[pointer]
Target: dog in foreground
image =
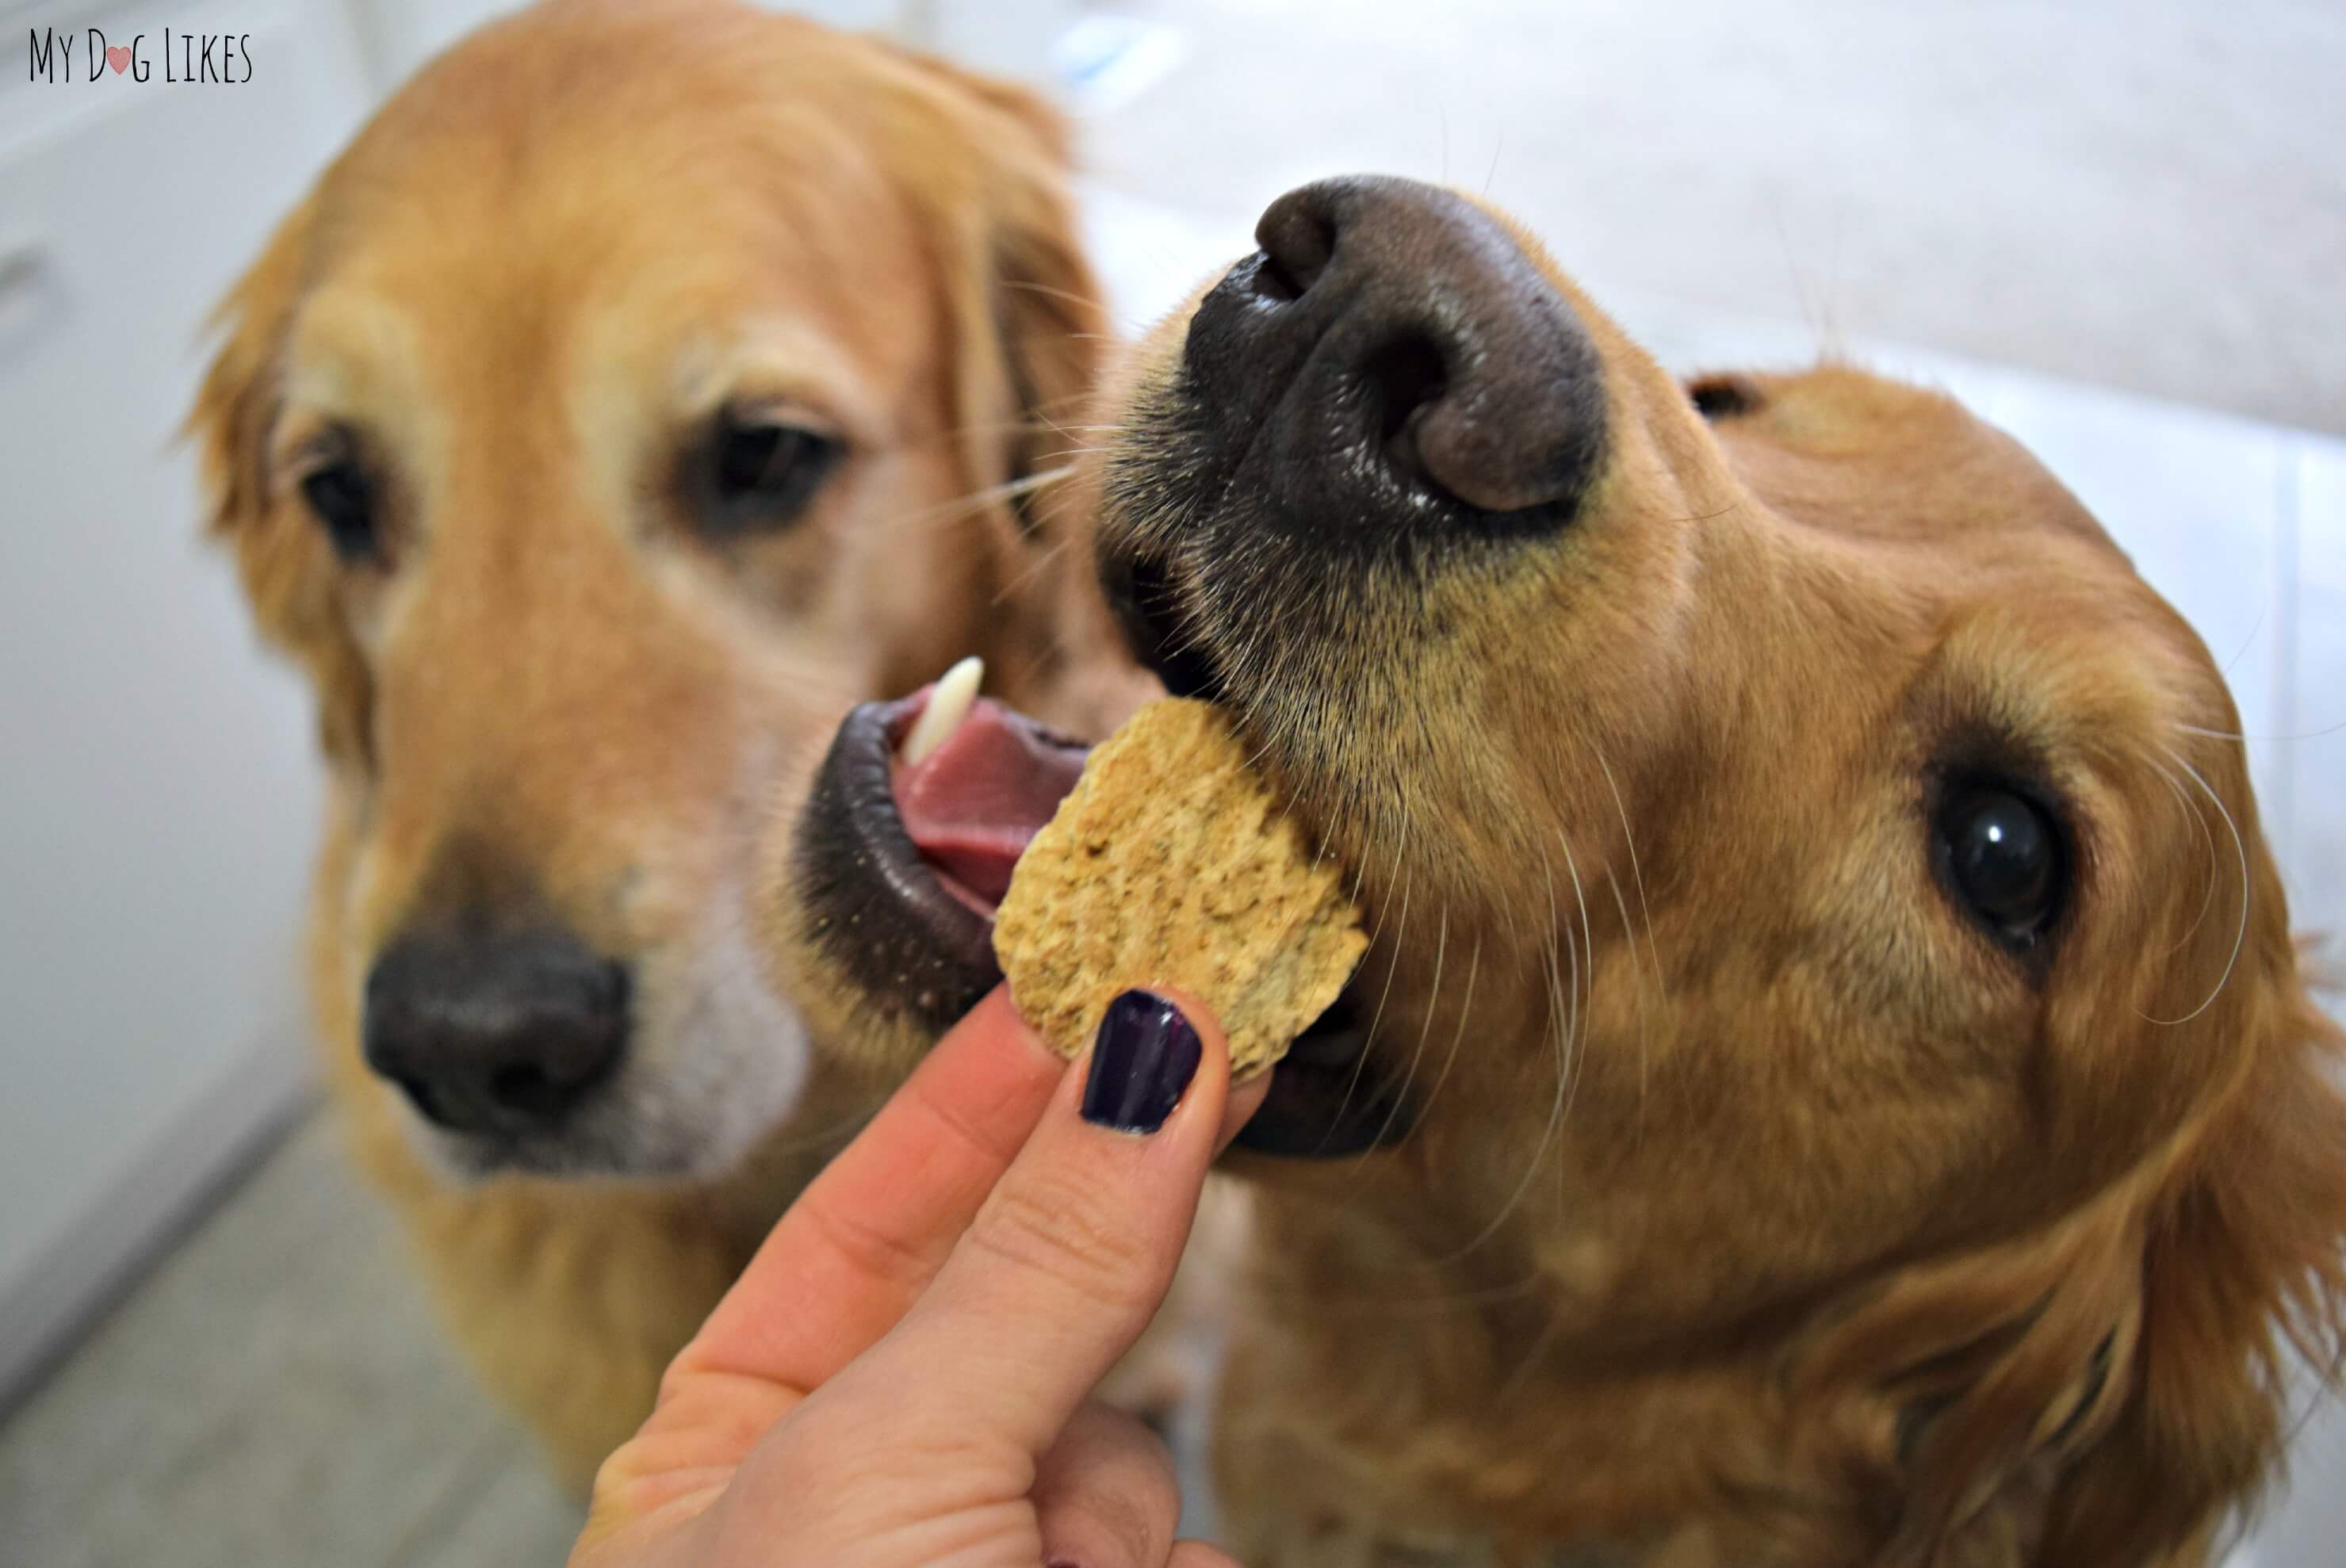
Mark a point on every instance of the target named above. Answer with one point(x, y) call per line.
point(645, 385)
point(1832, 1083)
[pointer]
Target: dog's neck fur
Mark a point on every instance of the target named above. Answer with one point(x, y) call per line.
point(1534, 1443)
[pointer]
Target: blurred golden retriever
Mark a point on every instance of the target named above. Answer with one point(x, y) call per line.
point(1832, 1083)
point(645, 385)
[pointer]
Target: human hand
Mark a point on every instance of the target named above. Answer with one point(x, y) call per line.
point(904, 1374)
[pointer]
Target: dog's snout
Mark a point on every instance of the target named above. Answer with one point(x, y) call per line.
point(499, 1035)
point(1401, 359)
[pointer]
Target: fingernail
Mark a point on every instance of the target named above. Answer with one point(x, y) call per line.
point(1143, 1059)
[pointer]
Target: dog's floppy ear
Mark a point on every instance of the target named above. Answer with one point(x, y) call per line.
point(1029, 328)
point(2243, 1272)
point(1049, 326)
point(290, 575)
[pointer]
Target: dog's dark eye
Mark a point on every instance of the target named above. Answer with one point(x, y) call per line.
point(759, 473)
point(1723, 397)
point(342, 495)
point(2003, 859)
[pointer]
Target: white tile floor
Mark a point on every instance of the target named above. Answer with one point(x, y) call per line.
point(273, 1395)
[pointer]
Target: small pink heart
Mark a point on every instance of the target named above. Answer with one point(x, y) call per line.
point(117, 60)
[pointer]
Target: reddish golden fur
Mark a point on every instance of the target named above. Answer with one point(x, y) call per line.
point(1762, 1212)
point(555, 249)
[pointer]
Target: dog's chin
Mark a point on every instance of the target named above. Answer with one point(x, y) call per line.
point(465, 1159)
point(669, 1141)
point(657, 1138)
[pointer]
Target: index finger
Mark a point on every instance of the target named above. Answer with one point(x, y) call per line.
point(864, 1240)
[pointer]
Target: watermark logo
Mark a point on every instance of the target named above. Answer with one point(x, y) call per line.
point(62, 56)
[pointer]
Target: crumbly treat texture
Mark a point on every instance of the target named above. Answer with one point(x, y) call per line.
point(1173, 865)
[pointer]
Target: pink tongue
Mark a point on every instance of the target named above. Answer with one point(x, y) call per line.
point(971, 805)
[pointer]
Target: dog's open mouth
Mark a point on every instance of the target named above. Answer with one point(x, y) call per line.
point(909, 841)
point(973, 782)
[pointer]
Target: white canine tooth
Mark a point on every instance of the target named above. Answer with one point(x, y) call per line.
point(949, 704)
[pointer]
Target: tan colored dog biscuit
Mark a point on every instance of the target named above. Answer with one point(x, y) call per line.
point(1172, 864)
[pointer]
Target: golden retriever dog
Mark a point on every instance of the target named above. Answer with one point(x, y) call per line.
point(647, 384)
point(1832, 1083)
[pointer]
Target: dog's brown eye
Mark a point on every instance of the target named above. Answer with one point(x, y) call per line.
point(1723, 397)
point(759, 474)
point(2002, 857)
point(341, 497)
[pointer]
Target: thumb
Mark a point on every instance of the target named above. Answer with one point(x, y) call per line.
point(1071, 1253)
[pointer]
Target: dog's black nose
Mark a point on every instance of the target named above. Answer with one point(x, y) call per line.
point(1401, 360)
point(499, 1035)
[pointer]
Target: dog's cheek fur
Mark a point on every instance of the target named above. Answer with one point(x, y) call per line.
point(2098, 1388)
point(289, 570)
point(2240, 1268)
point(2205, 1268)
point(1028, 333)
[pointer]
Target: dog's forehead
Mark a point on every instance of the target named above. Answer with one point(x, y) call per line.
point(1926, 511)
point(619, 224)
point(634, 165)
point(1841, 448)
point(455, 285)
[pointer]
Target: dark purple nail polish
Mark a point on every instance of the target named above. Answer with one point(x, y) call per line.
point(1143, 1059)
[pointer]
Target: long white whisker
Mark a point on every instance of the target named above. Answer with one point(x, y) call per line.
point(1400, 930)
point(1637, 970)
point(1425, 1030)
point(2239, 937)
point(2207, 838)
point(1458, 1037)
point(2231, 735)
point(1585, 969)
point(962, 506)
point(1556, 1111)
point(1636, 874)
point(1028, 286)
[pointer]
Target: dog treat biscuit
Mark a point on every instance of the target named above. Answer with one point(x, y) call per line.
point(1172, 864)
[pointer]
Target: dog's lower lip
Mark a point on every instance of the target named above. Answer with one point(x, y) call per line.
point(859, 780)
point(1333, 1040)
point(1324, 1101)
point(866, 747)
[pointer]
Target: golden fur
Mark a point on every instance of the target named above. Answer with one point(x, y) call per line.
point(1765, 1215)
point(1758, 1210)
point(560, 247)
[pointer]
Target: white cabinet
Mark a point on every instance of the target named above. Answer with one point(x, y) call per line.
point(157, 794)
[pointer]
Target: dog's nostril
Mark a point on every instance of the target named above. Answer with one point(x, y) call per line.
point(1298, 240)
point(523, 1086)
point(1401, 378)
point(1276, 283)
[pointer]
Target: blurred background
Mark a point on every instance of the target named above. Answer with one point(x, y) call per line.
point(2119, 229)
